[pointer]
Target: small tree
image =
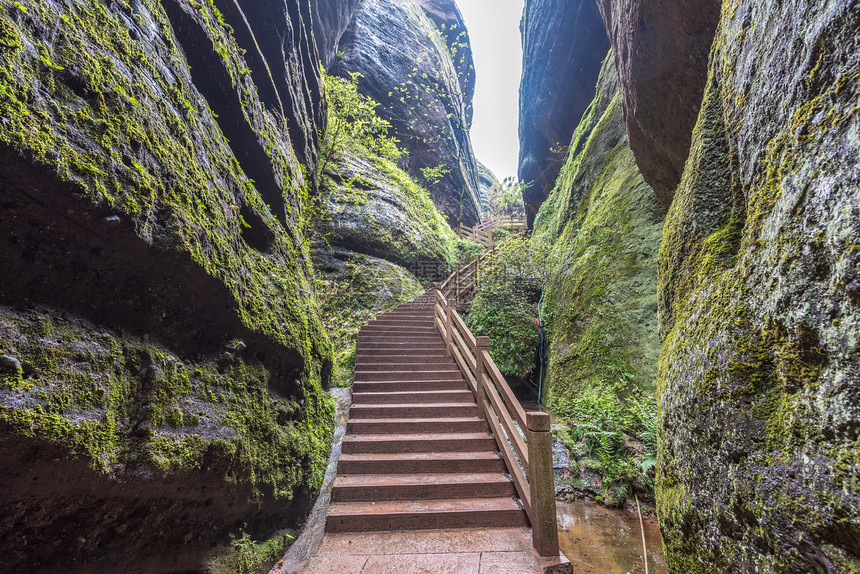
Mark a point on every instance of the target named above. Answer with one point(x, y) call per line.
point(507, 197)
point(353, 121)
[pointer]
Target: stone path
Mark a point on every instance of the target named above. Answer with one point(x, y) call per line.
point(452, 551)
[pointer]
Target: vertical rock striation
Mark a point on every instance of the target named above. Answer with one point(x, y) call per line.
point(661, 52)
point(489, 184)
point(759, 305)
point(331, 18)
point(563, 46)
point(447, 18)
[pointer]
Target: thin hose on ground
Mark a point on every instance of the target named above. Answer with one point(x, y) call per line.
point(642, 529)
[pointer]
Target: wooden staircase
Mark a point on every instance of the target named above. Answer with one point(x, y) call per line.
point(416, 454)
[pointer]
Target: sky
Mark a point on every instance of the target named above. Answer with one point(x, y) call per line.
point(494, 28)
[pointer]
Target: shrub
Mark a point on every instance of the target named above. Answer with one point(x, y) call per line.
point(467, 250)
point(506, 305)
point(602, 431)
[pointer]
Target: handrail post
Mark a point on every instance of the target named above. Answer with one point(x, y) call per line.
point(541, 484)
point(481, 344)
point(449, 328)
point(477, 277)
point(457, 284)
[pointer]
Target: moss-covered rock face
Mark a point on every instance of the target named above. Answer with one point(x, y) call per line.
point(166, 356)
point(759, 307)
point(373, 207)
point(604, 224)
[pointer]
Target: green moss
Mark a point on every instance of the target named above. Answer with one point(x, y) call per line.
point(132, 404)
point(751, 347)
point(373, 207)
point(246, 556)
point(119, 120)
point(10, 38)
point(604, 224)
point(150, 159)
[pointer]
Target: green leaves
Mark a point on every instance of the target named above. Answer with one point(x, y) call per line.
point(505, 306)
point(433, 175)
point(353, 121)
point(507, 197)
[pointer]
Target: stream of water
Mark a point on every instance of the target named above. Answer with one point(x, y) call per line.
point(600, 540)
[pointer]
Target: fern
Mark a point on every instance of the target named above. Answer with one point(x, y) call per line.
point(648, 463)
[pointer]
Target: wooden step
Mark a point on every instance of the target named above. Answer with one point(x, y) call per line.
point(388, 351)
point(407, 375)
point(462, 395)
point(453, 384)
point(428, 327)
point(377, 487)
point(420, 462)
point(405, 347)
point(393, 362)
point(398, 335)
point(399, 331)
point(424, 514)
point(426, 321)
point(418, 411)
point(415, 425)
point(415, 442)
point(404, 318)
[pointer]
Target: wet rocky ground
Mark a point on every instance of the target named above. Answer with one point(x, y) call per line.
point(601, 540)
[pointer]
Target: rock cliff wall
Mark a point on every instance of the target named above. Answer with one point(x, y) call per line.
point(164, 336)
point(331, 18)
point(757, 293)
point(661, 53)
point(489, 183)
point(446, 16)
point(603, 226)
point(408, 67)
point(563, 46)
point(759, 306)
point(163, 357)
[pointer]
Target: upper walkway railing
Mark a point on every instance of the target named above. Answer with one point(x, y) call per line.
point(483, 232)
point(465, 279)
point(523, 437)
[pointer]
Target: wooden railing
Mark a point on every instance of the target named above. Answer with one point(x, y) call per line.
point(483, 232)
point(523, 437)
point(477, 235)
point(465, 279)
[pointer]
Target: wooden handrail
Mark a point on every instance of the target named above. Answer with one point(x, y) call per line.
point(523, 437)
point(464, 279)
point(483, 232)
